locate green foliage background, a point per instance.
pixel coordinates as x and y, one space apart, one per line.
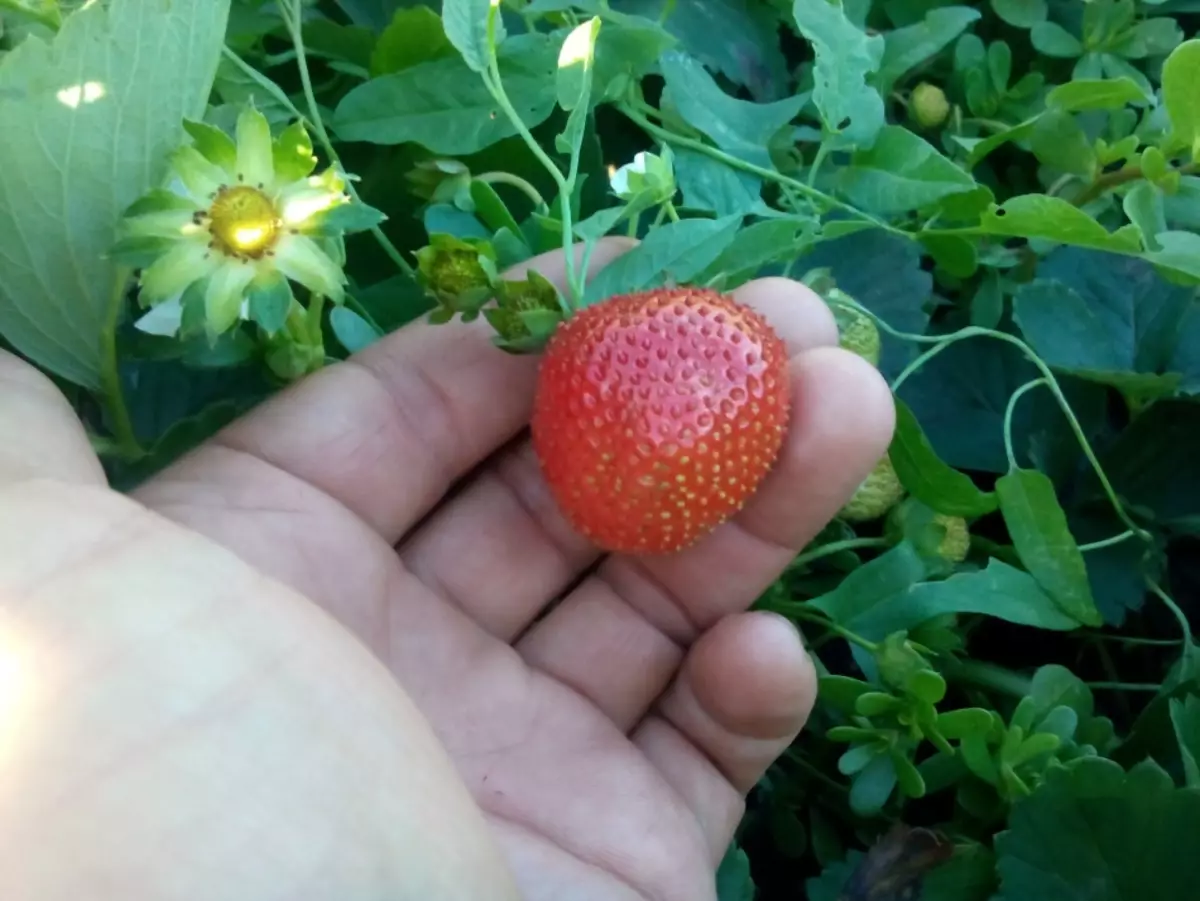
1008 189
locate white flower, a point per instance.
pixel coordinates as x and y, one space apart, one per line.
235 219
648 172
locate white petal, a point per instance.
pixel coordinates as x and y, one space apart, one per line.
255 150
226 291
301 200
201 178
620 181
163 319
187 261
300 259
166 224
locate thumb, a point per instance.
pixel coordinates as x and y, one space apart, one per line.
43 439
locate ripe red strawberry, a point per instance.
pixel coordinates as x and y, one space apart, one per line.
658 414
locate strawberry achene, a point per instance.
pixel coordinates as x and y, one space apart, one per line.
657 415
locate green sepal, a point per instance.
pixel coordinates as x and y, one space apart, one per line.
292 153
348 219
217 147
157 200
270 299
139 251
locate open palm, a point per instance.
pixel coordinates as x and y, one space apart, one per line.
607 714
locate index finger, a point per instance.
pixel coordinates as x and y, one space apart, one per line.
388 431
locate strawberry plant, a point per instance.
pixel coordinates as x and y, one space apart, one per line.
202 201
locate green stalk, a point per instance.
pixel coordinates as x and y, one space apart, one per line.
127 443
1008 418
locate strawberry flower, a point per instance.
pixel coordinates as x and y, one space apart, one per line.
236 224
649 173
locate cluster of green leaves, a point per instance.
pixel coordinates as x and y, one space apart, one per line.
1007 189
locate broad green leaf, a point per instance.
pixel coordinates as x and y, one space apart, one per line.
88 119
1092 832
957 256
912 45
1178 251
738 126
1097 93
1054 219
738 38
900 172
1144 207
445 107
1185 717
879 598
926 477
466 26
374 14
352 331
1180 75
1149 37
1039 531
1021 13
351 44
679 250
977 151
1052 39
628 47
711 185
758 245
1102 317
734 882
414 36
846 56
1060 142
1153 463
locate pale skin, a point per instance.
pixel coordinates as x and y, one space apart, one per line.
316 658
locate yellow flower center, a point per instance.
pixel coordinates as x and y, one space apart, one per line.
244 221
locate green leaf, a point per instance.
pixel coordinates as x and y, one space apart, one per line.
216 146
1178 251
1043 540
445 107
466 26
1106 318
900 172
1059 141
679 250
927 478
414 35
1180 75
846 56
734 882
1054 219
269 302
878 599
958 724
352 331
872 786
1145 209
1021 13
957 256
1096 93
737 126
628 47
1185 717
907 47
759 245
1052 39
88 119
708 184
1092 832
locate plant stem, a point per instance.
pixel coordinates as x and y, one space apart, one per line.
1108 542
672 213
795 757
1008 418
767 174
988 675
127 442
1111 180
1125 686
801 611
507 178
1180 616
836 547
1136 641
291 18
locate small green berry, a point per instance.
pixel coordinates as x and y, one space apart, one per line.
957 541
858 333
929 105
878 493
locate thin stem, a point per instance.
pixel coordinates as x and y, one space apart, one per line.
988 675
801 611
815 168
1125 686
507 178
110 374
795 757
291 18
1111 180
1008 418
767 174
836 547
672 213
1184 626
924 358
1108 542
1136 641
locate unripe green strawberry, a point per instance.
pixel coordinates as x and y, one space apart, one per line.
938 536
929 105
857 333
657 415
878 493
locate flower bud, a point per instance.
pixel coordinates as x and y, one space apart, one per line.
929 105
649 173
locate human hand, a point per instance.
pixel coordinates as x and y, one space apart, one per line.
608 743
